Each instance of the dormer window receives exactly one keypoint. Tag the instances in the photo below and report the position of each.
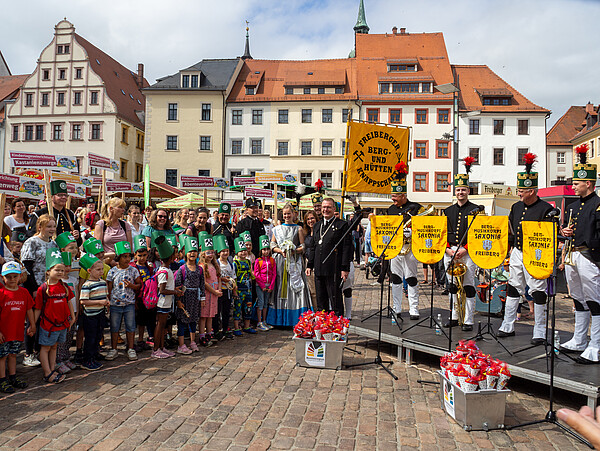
(185, 81)
(496, 101)
(402, 67)
(249, 90)
(289, 91)
(194, 81)
(498, 96)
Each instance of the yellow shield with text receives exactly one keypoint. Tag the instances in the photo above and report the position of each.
(382, 233)
(538, 248)
(429, 238)
(374, 150)
(488, 240)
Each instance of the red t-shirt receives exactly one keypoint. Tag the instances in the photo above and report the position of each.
(13, 310)
(56, 314)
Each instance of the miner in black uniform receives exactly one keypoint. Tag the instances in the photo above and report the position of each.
(223, 227)
(252, 224)
(529, 208)
(458, 221)
(330, 274)
(404, 266)
(584, 275)
(65, 219)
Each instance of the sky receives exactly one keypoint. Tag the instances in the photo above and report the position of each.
(547, 50)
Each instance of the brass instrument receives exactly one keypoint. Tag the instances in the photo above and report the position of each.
(423, 211)
(568, 250)
(458, 270)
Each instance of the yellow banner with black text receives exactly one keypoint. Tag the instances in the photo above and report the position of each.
(382, 233)
(538, 248)
(429, 238)
(488, 241)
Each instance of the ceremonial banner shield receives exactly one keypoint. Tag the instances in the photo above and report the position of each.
(382, 229)
(538, 248)
(488, 241)
(374, 150)
(429, 238)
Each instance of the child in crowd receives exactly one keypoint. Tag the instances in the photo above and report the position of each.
(15, 304)
(123, 281)
(212, 286)
(265, 273)
(52, 306)
(190, 276)
(17, 238)
(167, 290)
(145, 317)
(228, 288)
(243, 276)
(248, 242)
(94, 301)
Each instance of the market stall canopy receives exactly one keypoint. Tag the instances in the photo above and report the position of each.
(189, 200)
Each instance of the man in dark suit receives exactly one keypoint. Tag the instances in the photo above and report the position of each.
(252, 224)
(330, 274)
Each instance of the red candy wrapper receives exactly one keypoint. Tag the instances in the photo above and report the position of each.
(470, 385)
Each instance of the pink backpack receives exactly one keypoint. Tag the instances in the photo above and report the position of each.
(150, 291)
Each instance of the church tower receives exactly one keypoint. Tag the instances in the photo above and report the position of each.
(360, 27)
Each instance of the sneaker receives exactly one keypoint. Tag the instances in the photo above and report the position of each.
(91, 365)
(237, 332)
(158, 354)
(150, 343)
(78, 358)
(5, 387)
(31, 360)
(112, 354)
(268, 326)
(194, 347)
(71, 365)
(139, 346)
(205, 341)
(261, 326)
(219, 336)
(184, 350)
(212, 338)
(17, 382)
(250, 331)
(62, 368)
(131, 354)
(229, 335)
(167, 352)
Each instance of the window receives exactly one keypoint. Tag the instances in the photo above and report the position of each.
(60, 98)
(473, 126)
(402, 67)
(203, 172)
(306, 116)
(171, 176)
(78, 73)
(39, 132)
(124, 134)
(560, 178)
(346, 114)
(29, 133)
(206, 107)
(425, 87)
(94, 171)
(289, 91)
(76, 131)
(283, 116)
(62, 74)
(442, 181)
(236, 147)
(405, 87)
(233, 174)
(306, 178)
(306, 90)
(421, 149)
(327, 148)
(123, 169)
(560, 158)
(185, 83)
(46, 74)
(256, 146)
(172, 112)
(29, 99)
(592, 149)
(498, 126)
(496, 101)
(421, 116)
(139, 140)
(257, 116)
(171, 142)
(373, 114)
(474, 153)
(421, 182)
(498, 156)
(442, 149)
(521, 155)
(321, 90)
(94, 98)
(194, 81)
(339, 90)
(62, 49)
(384, 88)
(205, 143)
(250, 90)
(139, 172)
(77, 98)
(523, 126)
(282, 148)
(343, 147)
(236, 117)
(327, 179)
(96, 131)
(15, 133)
(327, 116)
(44, 99)
(395, 116)
(306, 148)
(443, 116)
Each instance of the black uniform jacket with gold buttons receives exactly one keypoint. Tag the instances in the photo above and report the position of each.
(519, 212)
(325, 237)
(458, 221)
(404, 210)
(586, 223)
(62, 223)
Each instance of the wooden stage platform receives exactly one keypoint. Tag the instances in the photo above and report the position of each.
(530, 364)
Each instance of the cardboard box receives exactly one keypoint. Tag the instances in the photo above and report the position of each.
(315, 353)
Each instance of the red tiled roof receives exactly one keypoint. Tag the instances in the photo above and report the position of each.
(9, 89)
(120, 83)
(566, 127)
(585, 131)
(480, 78)
(168, 188)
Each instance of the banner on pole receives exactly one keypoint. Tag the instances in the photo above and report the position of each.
(102, 162)
(262, 193)
(123, 187)
(538, 248)
(200, 182)
(244, 180)
(70, 178)
(382, 230)
(147, 185)
(21, 186)
(429, 238)
(374, 151)
(488, 240)
(43, 161)
(274, 177)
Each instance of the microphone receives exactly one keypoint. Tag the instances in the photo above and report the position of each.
(552, 213)
(477, 209)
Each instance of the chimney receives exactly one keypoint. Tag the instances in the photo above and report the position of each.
(139, 79)
(402, 30)
(395, 30)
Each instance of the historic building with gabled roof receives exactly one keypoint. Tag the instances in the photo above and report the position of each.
(559, 148)
(589, 133)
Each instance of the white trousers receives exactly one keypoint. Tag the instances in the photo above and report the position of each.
(468, 279)
(405, 266)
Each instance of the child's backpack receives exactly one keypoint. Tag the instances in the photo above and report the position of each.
(150, 291)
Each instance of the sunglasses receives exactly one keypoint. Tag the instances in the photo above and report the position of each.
(161, 216)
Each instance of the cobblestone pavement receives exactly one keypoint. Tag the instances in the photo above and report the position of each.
(249, 394)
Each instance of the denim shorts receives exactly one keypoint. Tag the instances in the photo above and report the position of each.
(51, 338)
(262, 298)
(368, 249)
(10, 347)
(117, 313)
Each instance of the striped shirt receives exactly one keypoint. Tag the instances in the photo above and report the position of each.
(93, 290)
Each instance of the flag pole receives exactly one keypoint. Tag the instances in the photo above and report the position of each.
(47, 185)
(345, 169)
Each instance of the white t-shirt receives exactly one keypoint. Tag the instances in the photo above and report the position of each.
(165, 275)
(11, 222)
